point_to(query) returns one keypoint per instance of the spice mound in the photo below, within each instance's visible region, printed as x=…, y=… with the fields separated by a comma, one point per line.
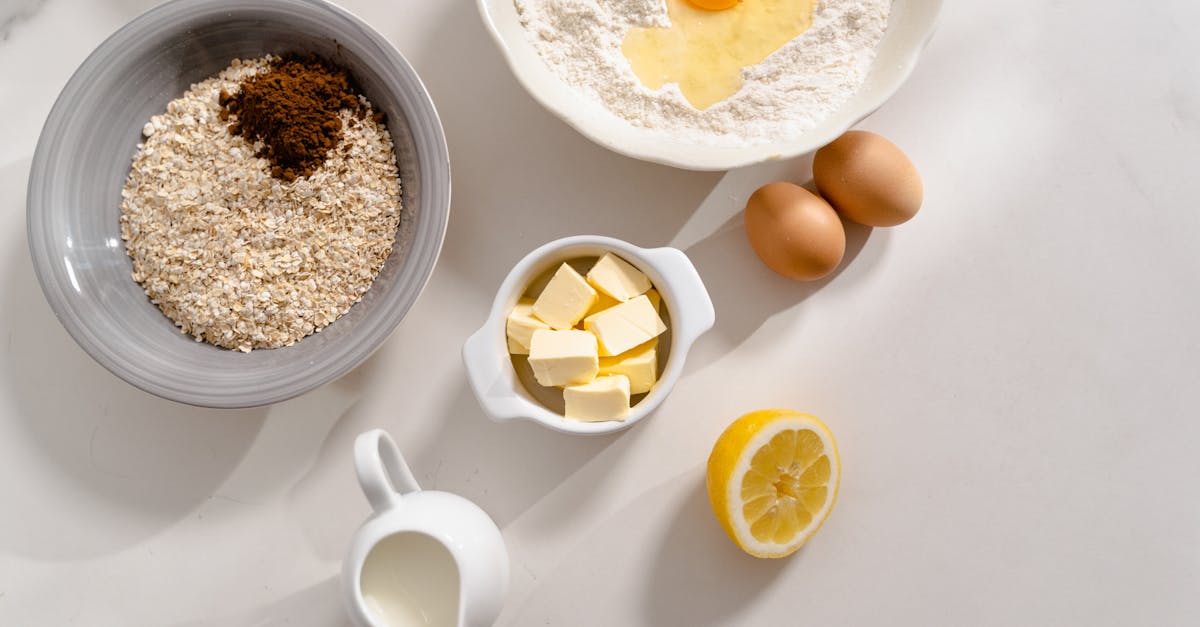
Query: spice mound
x=294, y=110
x=262, y=204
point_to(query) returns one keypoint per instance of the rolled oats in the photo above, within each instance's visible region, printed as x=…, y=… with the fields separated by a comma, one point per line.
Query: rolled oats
x=238, y=258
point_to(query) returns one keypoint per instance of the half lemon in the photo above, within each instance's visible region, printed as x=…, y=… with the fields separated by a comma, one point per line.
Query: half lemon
x=773, y=479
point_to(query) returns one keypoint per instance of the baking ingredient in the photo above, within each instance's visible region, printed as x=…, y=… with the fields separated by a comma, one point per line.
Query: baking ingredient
x=868, y=179
x=714, y=5
x=625, y=326
x=703, y=51
x=618, y=278
x=563, y=357
x=604, y=398
x=239, y=258
x=520, y=326
x=639, y=364
x=780, y=99
x=655, y=299
x=617, y=338
x=410, y=579
x=772, y=480
x=565, y=300
x=294, y=109
x=603, y=301
x=794, y=231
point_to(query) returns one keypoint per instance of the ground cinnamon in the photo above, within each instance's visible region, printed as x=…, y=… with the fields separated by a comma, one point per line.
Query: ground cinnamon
x=292, y=108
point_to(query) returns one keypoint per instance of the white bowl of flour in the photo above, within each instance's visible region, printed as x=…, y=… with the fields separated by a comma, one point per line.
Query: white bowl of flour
x=567, y=54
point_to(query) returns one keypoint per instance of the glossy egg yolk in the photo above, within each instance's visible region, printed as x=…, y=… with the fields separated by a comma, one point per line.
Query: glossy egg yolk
x=703, y=51
x=714, y=5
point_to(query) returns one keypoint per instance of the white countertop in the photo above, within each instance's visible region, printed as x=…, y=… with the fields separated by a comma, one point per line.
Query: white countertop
x=1012, y=376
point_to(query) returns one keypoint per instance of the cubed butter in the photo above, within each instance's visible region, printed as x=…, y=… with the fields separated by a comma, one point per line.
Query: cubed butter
x=603, y=301
x=563, y=357
x=606, y=398
x=639, y=364
x=521, y=325
x=655, y=299
x=617, y=278
x=566, y=299
x=623, y=327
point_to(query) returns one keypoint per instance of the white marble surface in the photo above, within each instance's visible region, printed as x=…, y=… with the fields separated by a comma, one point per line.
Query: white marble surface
x=1012, y=376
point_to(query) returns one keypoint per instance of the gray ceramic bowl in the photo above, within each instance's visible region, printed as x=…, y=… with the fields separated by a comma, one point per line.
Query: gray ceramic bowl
x=84, y=154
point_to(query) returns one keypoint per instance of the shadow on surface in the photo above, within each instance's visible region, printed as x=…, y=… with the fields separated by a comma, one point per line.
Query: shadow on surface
x=92, y=437
x=530, y=177
x=318, y=604
x=699, y=577
x=745, y=293
x=150, y=461
x=330, y=485
x=524, y=461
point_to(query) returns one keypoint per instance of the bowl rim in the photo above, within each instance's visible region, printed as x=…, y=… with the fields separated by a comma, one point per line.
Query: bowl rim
x=437, y=204
x=489, y=365
x=564, y=101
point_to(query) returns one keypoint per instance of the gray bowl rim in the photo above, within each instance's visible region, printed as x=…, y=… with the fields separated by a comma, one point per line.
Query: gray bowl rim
x=54, y=293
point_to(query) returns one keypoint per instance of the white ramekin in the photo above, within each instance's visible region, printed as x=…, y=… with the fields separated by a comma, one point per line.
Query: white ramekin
x=489, y=366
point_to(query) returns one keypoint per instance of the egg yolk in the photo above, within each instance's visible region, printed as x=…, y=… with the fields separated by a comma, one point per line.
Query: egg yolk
x=704, y=50
x=714, y=5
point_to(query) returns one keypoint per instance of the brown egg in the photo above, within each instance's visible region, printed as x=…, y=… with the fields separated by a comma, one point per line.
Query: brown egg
x=794, y=231
x=868, y=180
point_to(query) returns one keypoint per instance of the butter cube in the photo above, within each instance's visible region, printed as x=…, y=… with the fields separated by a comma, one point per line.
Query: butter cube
x=521, y=325
x=606, y=398
x=617, y=278
x=563, y=357
x=625, y=326
x=565, y=300
x=603, y=301
x=640, y=365
x=655, y=299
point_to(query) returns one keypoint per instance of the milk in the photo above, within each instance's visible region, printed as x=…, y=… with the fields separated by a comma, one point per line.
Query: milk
x=424, y=558
x=410, y=580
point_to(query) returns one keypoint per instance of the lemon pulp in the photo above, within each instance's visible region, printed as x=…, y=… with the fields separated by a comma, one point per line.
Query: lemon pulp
x=772, y=480
x=704, y=51
x=785, y=486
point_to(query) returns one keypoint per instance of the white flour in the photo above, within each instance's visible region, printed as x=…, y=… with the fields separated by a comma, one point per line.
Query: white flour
x=787, y=94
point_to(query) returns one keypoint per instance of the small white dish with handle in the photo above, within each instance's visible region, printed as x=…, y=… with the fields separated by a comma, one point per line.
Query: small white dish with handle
x=687, y=308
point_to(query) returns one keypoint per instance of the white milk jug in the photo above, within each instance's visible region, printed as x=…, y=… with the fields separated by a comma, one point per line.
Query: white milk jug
x=425, y=558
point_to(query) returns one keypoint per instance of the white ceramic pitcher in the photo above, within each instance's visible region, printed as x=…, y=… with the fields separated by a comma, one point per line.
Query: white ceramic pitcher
x=424, y=557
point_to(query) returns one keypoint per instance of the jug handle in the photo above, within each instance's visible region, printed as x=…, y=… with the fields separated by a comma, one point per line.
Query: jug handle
x=382, y=472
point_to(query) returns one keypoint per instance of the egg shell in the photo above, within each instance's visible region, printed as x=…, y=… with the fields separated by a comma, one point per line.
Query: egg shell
x=868, y=179
x=794, y=231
